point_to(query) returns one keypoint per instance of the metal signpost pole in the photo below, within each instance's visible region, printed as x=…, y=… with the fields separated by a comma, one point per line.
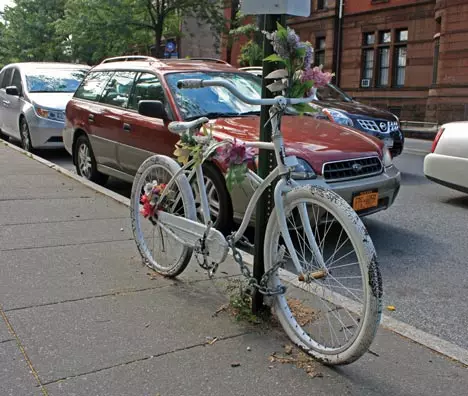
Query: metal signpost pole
x=274, y=11
x=266, y=163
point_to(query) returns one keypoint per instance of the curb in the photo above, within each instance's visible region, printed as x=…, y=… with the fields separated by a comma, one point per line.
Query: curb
x=427, y=340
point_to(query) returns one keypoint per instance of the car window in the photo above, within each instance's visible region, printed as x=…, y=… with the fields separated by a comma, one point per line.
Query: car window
x=17, y=81
x=93, y=85
x=148, y=87
x=6, y=78
x=215, y=101
x=53, y=79
x=118, y=89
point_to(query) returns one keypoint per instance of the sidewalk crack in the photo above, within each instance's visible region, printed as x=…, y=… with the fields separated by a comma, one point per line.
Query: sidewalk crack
x=65, y=245
x=23, y=351
x=186, y=348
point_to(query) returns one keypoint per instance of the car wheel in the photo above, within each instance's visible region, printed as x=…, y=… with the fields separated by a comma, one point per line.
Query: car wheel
x=85, y=161
x=26, y=143
x=4, y=136
x=219, y=199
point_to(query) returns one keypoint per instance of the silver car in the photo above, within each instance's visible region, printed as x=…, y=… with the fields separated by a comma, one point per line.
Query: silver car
x=33, y=97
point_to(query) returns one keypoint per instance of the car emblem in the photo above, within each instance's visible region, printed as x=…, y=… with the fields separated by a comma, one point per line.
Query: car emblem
x=383, y=126
x=357, y=168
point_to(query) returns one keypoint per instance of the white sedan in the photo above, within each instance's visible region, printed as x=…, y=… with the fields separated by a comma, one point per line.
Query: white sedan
x=447, y=164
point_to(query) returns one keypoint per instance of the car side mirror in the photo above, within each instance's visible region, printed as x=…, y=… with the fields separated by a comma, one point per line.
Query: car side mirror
x=12, y=90
x=152, y=108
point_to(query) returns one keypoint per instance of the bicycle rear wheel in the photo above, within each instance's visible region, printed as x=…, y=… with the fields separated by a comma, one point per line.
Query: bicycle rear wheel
x=158, y=248
x=332, y=312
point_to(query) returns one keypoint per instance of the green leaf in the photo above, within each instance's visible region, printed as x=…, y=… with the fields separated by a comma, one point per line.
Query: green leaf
x=305, y=108
x=274, y=58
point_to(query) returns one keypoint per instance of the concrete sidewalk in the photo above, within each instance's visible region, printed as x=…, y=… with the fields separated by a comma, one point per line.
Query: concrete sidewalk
x=82, y=316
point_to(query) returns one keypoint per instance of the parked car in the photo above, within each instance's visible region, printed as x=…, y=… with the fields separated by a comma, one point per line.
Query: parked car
x=33, y=97
x=447, y=163
x=336, y=106
x=108, y=137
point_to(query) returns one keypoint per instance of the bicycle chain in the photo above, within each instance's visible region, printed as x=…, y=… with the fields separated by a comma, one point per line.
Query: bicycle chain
x=252, y=281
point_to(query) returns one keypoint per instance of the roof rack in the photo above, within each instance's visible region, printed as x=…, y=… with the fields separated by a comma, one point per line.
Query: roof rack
x=130, y=58
x=214, y=60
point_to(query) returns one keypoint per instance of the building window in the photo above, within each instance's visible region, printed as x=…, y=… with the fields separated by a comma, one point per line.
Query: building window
x=435, y=70
x=384, y=66
x=322, y=4
x=387, y=55
x=319, y=51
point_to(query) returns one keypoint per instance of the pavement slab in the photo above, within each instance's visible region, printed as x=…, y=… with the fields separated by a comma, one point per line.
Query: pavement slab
x=15, y=376
x=17, y=186
x=207, y=370
x=5, y=335
x=51, y=275
x=13, y=212
x=40, y=235
x=77, y=337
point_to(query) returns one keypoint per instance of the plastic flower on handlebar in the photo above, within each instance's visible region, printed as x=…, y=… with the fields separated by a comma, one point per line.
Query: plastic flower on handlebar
x=235, y=157
x=297, y=79
x=192, y=146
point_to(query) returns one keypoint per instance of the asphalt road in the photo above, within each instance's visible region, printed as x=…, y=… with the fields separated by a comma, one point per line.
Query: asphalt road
x=422, y=247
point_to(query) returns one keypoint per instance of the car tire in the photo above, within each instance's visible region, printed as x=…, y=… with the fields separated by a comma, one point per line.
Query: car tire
x=85, y=162
x=214, y=178
x=4, y=136
x=26, y=142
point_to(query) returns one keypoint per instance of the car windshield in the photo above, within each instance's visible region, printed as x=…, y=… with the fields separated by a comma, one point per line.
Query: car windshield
x=54, y=80
x=332, y=93
x=215, y=102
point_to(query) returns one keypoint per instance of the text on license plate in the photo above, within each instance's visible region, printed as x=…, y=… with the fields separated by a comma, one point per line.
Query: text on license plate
x=365, y=200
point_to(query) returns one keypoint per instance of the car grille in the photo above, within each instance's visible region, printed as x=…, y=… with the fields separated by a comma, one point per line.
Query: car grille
x=351, y=169
x=378, y=125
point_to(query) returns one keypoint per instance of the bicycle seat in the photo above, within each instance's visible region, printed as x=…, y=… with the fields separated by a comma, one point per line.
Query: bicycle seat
x=179, y=127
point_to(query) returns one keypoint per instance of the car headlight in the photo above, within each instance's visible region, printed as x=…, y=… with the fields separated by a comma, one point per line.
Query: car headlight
x=303, y=171
x=54, y=115
x=338, y=117
x=387, y=158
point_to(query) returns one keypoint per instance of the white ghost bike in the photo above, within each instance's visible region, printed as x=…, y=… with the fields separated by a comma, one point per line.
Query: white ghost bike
x=321, y=273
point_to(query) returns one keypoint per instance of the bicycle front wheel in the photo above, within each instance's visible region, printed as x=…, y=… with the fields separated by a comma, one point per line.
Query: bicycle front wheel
x=332, y=307
x=158, y=248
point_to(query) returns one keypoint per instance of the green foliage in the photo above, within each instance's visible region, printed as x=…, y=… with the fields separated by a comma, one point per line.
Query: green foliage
x=251, y=55
x=90, y=30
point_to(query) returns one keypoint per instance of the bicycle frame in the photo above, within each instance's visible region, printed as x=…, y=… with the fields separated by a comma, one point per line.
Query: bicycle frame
x=284, y=166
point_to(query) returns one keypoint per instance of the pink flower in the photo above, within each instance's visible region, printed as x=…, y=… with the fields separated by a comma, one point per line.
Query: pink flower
x=320, y=78
x=235, y=154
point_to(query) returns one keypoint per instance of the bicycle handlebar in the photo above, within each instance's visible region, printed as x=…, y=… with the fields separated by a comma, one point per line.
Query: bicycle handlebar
x=198, y=83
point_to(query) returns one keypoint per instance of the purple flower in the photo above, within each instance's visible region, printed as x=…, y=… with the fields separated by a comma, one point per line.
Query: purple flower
x=308, y=56
x=320, y=78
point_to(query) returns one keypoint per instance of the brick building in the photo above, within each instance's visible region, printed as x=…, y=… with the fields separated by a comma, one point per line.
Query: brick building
x=408, y=56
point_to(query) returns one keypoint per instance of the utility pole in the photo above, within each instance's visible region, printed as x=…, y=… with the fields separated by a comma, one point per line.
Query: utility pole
x=266, y=163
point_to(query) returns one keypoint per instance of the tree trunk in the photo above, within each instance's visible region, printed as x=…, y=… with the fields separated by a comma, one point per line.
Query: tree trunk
x=232, y=25
x=158, y=31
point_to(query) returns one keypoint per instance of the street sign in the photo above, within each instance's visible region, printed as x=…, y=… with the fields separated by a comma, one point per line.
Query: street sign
x=275, y=7
x=170, y=46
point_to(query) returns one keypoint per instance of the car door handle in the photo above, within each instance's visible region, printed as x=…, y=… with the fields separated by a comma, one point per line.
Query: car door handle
x=91, y=118
x=127, y=127
x=6, y=102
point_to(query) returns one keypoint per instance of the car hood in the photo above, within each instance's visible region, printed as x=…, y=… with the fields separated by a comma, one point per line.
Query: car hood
x=356, y=108
x=51, y=100
x=316, y=141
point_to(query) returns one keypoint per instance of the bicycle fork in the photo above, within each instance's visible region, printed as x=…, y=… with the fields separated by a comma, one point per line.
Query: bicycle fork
x=281, y=188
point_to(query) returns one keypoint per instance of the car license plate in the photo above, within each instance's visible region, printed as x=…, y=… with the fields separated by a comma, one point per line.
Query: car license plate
x=388, y=142
x=365, y=200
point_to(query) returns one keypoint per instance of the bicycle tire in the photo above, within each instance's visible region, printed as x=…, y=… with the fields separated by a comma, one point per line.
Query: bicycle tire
x=180, y=261
x=368, y=267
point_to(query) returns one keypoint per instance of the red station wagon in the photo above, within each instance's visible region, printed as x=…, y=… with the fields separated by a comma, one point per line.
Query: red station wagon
x=107, y=136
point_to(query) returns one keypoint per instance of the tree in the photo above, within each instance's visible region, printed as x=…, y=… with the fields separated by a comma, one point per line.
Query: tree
x=28, y=31
x=109, y=26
